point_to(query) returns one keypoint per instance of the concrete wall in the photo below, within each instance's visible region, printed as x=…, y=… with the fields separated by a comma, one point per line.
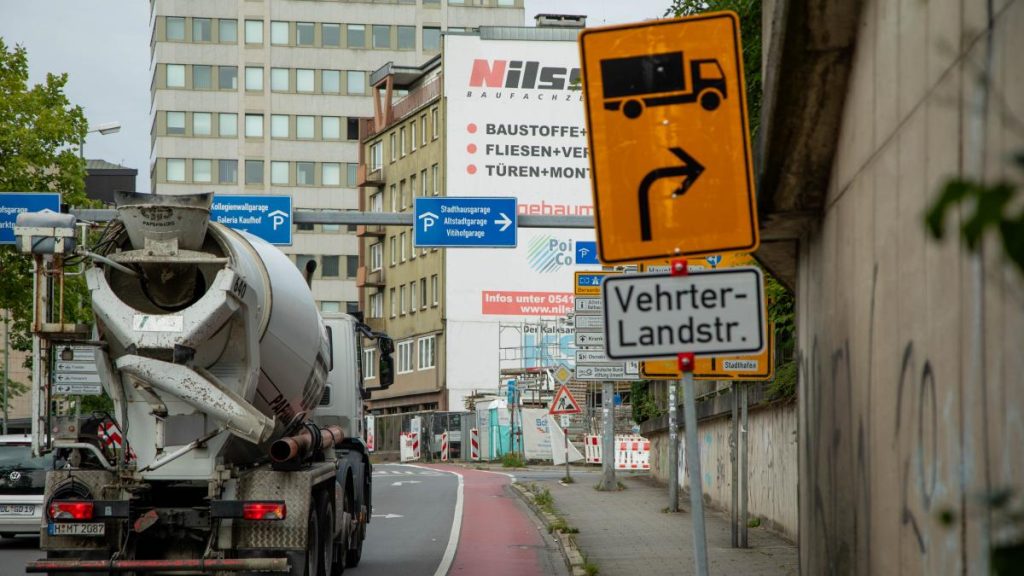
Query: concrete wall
x=905, y=411
x=771, y=464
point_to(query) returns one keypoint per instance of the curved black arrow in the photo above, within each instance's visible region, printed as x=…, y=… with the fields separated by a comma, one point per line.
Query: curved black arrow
x=690, y=169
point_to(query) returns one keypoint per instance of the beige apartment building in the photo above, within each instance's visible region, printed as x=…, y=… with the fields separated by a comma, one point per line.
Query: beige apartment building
x=403, y=286
x=264, y=96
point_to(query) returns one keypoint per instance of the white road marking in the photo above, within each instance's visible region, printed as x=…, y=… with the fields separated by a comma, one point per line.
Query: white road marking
x=388, y=516
x=401, y=482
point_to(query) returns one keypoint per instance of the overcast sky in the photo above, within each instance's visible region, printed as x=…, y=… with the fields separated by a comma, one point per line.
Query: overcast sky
x=103, y=45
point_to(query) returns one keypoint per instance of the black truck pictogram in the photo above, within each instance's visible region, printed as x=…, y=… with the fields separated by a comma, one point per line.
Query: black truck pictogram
x=637, y=82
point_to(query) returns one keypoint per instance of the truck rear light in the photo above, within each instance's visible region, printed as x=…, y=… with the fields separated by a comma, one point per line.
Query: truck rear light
x=264, y=511
x=70, y=510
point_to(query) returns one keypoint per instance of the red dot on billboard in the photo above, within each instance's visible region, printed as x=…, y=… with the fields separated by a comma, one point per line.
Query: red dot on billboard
x=471, y=169
x=471, y=148
x=471, y=128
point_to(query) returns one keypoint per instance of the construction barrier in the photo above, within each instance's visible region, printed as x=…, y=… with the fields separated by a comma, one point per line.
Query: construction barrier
x=444, y=446
x=632, y=453
x=474, y=444
x=592, y=449
x=409, y=447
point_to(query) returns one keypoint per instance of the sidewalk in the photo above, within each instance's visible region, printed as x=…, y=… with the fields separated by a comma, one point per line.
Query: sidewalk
x=626, y=533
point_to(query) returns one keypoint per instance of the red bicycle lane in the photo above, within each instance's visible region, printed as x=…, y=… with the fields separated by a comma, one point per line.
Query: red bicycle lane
x=498, y=536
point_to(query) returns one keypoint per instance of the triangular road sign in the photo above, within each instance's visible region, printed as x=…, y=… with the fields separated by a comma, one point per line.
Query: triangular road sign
x=564, y=403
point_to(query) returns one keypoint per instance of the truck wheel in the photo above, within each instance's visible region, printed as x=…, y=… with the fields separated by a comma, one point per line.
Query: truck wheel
x=328, y=558
x=710, y=100
x=356, y=531
x=309, y=564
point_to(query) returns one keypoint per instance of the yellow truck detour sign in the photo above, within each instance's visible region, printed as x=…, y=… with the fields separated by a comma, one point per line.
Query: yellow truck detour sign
x=671, y=165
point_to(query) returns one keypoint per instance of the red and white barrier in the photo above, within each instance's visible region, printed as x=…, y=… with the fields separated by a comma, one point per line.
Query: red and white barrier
x=632, y=453
x=474, y=444
x=592, y=449
x=110, y=434
x=444, y=446
x=409, y=447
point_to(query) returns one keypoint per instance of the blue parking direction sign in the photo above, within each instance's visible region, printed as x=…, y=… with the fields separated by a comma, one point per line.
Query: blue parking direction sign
x=465, y=222
x=14, y=203
x=586, y=252
x=268, y=217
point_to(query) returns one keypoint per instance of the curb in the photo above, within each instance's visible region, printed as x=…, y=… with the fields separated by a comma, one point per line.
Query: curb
x=566, y=543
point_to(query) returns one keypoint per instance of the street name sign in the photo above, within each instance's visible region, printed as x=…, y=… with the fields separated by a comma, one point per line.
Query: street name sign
x=268, y=217
x=14, y=203
x=670, y=156
x=564, y=403
x=713, y=313
x=465, y=222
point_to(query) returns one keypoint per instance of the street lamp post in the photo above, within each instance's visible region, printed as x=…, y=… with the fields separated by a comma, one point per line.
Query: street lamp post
x=103, y=129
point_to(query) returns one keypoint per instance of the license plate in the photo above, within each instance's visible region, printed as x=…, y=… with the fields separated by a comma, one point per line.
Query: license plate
x=16, y=509
x=76, y=529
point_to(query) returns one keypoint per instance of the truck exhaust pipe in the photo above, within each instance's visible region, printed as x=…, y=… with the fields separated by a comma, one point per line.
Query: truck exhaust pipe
x=305, y=443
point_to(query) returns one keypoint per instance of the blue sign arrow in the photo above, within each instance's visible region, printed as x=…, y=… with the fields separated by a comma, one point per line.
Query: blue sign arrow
x=586, y=252
x=268, y=217
x=465, y=222
x=14, y=203
x=714, y=260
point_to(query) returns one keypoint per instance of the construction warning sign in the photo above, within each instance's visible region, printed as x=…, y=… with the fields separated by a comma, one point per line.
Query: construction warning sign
x=671, y=167
x=564, y=403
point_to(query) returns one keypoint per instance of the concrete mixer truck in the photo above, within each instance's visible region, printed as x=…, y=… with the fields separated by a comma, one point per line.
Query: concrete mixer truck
x=238, y=407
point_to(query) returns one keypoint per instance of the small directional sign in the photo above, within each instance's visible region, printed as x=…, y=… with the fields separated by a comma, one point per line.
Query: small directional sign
x=585, y=305
x=76, y=378
x=465, y=222
x=564, y=403
x=268, y=217
x=670, y=156
x=589, y=283
x=627, y=370
x=14, y=203
x=590, y=338
x=713, y=313
x=77, y=389
x=62, y=366
x=588, y=322
x=586, y=252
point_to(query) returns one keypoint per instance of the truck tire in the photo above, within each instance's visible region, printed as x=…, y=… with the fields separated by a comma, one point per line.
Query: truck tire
x=307, y=562
x=356, y=531
x=328, y=554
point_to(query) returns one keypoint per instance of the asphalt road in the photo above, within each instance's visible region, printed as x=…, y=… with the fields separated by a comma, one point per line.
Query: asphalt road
x=16, y=552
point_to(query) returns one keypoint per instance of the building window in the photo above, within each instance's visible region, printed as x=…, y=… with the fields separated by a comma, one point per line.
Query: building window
x=279, y=79
x=394, y=198
x=376, y=305
x=330, y=267
x=370, y=362
x=405, y=357
x=304, y=80
x=415, y=297
x=394, y=250
x=406, y=37
x=376, y=155
x=434, y=173
x=352, y=129
x=381, y=36
x=175, y=123
x=330, y=34
x=412, y=136
x=302, y=227
x=227, y=32
x=433, y=290
x=356, y=82
x=254, y=31
x=304, y=175
x=174, y=29
x=394, y=303
x=423, y=292
x=423, y=182
x=279, y=173
x=304, y=129
x=352, y=175
x=202, y=30
x=402, y=197
x=376, y=256
x=254, y=125
x=423, y=129
x=175, y=75
x=330, y=306
x=302, y=261
x=356, y=36
x=175, y=169
x=304, y=33
x=394, y=150
x=433, y=124
x=227, y=171
x=253, y=78
x=402, y=236
x=506, y=3
x=202, y=123
x=279, y=33
x=227, y=124
x=330, y=128
x=254, y=171
x=403, y=303
x=330, y=174
x=401, y=140
x=202, y=77
x=330, y=81
x=279, y=126
x=428, y=356
x=351, y=266
x=227, y=77
x=431, y=39
x=377, y=202
x=412, y=194
x=202, y=171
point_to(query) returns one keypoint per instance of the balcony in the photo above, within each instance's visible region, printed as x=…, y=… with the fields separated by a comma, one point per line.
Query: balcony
x=367, y=279
x=366, y=178
x=370, y=231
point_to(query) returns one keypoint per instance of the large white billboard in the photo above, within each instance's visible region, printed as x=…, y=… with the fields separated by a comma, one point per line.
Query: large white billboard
x=515, y=127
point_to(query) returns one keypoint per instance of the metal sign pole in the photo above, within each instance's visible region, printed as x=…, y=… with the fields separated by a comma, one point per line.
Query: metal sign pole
x=673, y=446
x=700, y=544
x=565, y=436
x=607, y=437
